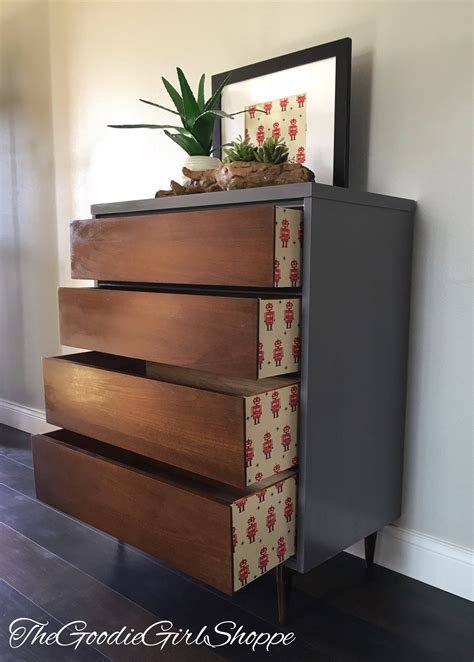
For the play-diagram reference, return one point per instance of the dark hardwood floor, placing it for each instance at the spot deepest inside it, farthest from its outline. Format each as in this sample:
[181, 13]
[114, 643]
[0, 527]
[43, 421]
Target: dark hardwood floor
[55, 569]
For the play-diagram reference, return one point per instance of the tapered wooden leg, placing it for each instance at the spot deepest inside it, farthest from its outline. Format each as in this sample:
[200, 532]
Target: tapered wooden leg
[370, 542]
[120, 550]
[283, 582]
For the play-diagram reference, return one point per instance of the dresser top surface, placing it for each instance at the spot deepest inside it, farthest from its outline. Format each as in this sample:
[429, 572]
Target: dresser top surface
[290, 194]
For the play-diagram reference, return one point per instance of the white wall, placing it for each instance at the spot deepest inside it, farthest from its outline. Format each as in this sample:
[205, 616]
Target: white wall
[28, 243]
[411, 136]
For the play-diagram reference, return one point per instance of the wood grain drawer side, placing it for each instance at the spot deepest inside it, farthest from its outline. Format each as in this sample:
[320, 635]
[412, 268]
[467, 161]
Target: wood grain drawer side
[245, 337]
[246, 247]
[219, 535]
[234, 431]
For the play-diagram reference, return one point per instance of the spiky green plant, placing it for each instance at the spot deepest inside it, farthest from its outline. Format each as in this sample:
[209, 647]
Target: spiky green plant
[240, 150]
[196, 114]
[272, 150]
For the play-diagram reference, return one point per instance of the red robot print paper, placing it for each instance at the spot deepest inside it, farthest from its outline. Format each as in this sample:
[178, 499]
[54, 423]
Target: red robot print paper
[271, 429]
[263, 534]
[288, 247]
[280, 118]
[279, 333]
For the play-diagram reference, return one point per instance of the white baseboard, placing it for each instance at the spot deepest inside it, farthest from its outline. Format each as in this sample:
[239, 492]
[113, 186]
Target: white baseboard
[23, 418]
[422, 557]
[427, 559]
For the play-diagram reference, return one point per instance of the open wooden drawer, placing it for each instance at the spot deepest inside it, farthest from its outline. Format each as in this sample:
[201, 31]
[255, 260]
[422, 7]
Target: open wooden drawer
[256, 246]
[220, 535]
[236, 431]
[237, 336]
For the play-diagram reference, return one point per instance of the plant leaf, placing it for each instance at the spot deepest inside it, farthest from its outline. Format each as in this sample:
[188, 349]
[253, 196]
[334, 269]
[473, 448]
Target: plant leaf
[203, 127]
[207, 120]
[191, 108]
[214, 113]
[239, 112]
[200, 98]
[152, 103]
[175, 96]
[188, 143]
[211, 102]
[215, 149]
[149, 126]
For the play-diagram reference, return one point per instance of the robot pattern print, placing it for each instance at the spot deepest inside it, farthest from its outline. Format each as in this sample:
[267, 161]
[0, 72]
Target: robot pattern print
[288, 247]
[263, 531]
[280, 118]
[271, 428]
[279, 337]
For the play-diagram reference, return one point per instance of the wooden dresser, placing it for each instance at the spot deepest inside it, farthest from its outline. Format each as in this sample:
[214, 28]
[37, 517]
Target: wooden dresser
[241, 403]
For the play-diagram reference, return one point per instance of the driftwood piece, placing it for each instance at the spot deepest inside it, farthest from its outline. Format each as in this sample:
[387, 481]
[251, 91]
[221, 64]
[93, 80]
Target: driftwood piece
[241, 174]
[238, 175]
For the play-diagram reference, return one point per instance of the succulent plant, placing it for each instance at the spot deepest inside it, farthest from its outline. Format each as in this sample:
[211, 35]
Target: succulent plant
[196, 114]
[272, 150]
[240, 150]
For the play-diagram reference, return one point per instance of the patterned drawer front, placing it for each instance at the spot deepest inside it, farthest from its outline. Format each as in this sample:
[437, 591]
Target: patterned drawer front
[234, 336]
[251, 247]
[271, 432]
[235, 431]
[263, 530]
[220, 535]
[279, 337]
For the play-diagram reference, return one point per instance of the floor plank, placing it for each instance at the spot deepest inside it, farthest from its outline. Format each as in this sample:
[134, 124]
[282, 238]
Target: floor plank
[407, 608]
[17, 476]
[68, 594]
[14, 605]
[16, 445]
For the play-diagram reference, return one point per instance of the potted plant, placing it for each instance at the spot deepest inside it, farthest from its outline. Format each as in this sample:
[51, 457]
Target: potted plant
[197, 118]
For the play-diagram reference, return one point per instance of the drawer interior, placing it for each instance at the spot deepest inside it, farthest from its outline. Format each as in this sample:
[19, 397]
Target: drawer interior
[165, 473]
[163, 372]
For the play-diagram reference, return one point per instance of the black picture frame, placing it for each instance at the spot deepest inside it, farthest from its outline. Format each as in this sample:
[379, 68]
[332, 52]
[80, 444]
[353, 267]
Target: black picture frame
[342, 51]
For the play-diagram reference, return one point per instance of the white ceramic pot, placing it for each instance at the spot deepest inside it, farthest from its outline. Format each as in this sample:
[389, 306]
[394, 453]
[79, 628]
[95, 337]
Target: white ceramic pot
[200, 163]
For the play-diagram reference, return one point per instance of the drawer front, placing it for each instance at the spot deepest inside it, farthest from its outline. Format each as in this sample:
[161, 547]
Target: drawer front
[228, 432]
[210, 532]
[263, 530]
[255, 247]
[234, 336]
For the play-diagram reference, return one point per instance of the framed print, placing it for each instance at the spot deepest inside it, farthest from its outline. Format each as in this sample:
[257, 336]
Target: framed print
[302, 97]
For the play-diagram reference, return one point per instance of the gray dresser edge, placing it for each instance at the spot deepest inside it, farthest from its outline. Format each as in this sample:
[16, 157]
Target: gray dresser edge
[288, 194]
